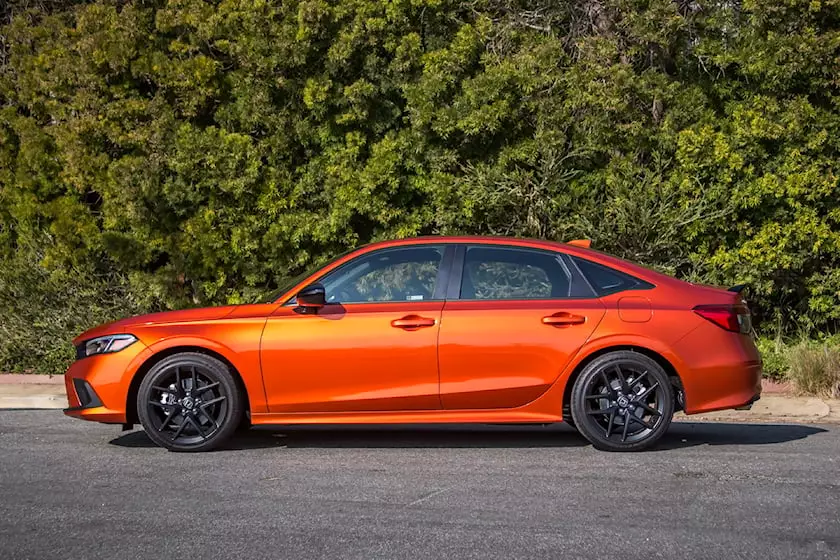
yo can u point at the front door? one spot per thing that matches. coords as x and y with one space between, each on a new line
520 318
373 347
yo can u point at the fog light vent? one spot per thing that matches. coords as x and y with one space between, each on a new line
87 396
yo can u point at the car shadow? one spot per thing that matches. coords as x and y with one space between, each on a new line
690 434
680 435
387 436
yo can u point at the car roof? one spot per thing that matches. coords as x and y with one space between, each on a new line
484 239
497 240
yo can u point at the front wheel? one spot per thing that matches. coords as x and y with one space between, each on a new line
189 402
622 401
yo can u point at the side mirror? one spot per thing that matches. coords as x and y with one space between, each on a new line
312 297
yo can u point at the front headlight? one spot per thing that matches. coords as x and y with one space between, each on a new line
105 344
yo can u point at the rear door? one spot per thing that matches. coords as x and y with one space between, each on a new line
513 319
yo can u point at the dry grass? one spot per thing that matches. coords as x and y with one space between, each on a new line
815 369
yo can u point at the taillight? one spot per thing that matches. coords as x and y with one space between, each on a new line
735 318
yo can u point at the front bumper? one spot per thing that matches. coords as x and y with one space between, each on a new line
97 386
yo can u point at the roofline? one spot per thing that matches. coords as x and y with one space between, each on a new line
450 239
575 250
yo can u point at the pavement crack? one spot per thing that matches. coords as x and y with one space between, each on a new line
428 496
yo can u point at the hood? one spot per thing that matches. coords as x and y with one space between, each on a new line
162 318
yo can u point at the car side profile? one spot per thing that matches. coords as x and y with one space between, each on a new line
431 330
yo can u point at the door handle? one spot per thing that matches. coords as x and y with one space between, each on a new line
563 319
413 322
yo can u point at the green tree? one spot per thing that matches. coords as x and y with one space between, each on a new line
158 154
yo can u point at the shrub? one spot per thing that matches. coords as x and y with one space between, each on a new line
815 369
42 311
196 152
775 357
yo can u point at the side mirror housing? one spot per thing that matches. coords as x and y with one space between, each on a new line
312 297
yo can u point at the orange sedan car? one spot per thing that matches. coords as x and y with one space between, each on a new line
431 330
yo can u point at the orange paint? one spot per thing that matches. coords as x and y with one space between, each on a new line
435 360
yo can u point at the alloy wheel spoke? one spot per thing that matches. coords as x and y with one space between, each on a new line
180 429
194 380
201 390
166 420
213 401
606 380
610 423
208 416
635 418
638 380
163 389
164 406
627 416
647 391
600 411
621 379
649 408
597 396
198 429
178 381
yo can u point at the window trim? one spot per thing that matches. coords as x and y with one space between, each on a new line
441 281
453 291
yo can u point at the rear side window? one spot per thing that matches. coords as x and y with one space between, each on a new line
606 280
507 273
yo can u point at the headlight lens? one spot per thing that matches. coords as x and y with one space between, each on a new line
108 344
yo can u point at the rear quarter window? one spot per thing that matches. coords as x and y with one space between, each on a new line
605 280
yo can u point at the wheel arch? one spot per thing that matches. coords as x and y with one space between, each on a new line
666 364
131 414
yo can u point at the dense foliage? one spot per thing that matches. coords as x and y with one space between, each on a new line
158 154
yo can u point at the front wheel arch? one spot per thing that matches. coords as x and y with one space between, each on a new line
131 414
669 368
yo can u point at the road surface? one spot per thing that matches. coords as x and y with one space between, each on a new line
74 489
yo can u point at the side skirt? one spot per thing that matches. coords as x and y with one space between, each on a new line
408 417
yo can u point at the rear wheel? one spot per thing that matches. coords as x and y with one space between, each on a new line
189 402
622 401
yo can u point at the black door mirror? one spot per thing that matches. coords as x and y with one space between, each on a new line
312 296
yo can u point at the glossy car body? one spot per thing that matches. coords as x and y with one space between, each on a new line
442 357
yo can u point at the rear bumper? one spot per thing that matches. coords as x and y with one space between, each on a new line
723 370
748 405
725 388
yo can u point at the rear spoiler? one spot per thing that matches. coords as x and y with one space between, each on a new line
738 288
585 243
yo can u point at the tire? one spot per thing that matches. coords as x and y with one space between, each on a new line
180 417
622 401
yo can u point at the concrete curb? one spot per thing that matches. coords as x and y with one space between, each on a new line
24 391
776 408
32 396
30 379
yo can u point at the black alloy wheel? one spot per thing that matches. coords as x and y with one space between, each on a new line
623 401
189 402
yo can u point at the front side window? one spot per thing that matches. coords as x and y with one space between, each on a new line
507 273
388 275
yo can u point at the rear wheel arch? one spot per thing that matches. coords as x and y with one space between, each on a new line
669 368
131 413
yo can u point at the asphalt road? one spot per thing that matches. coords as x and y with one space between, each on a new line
73 489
